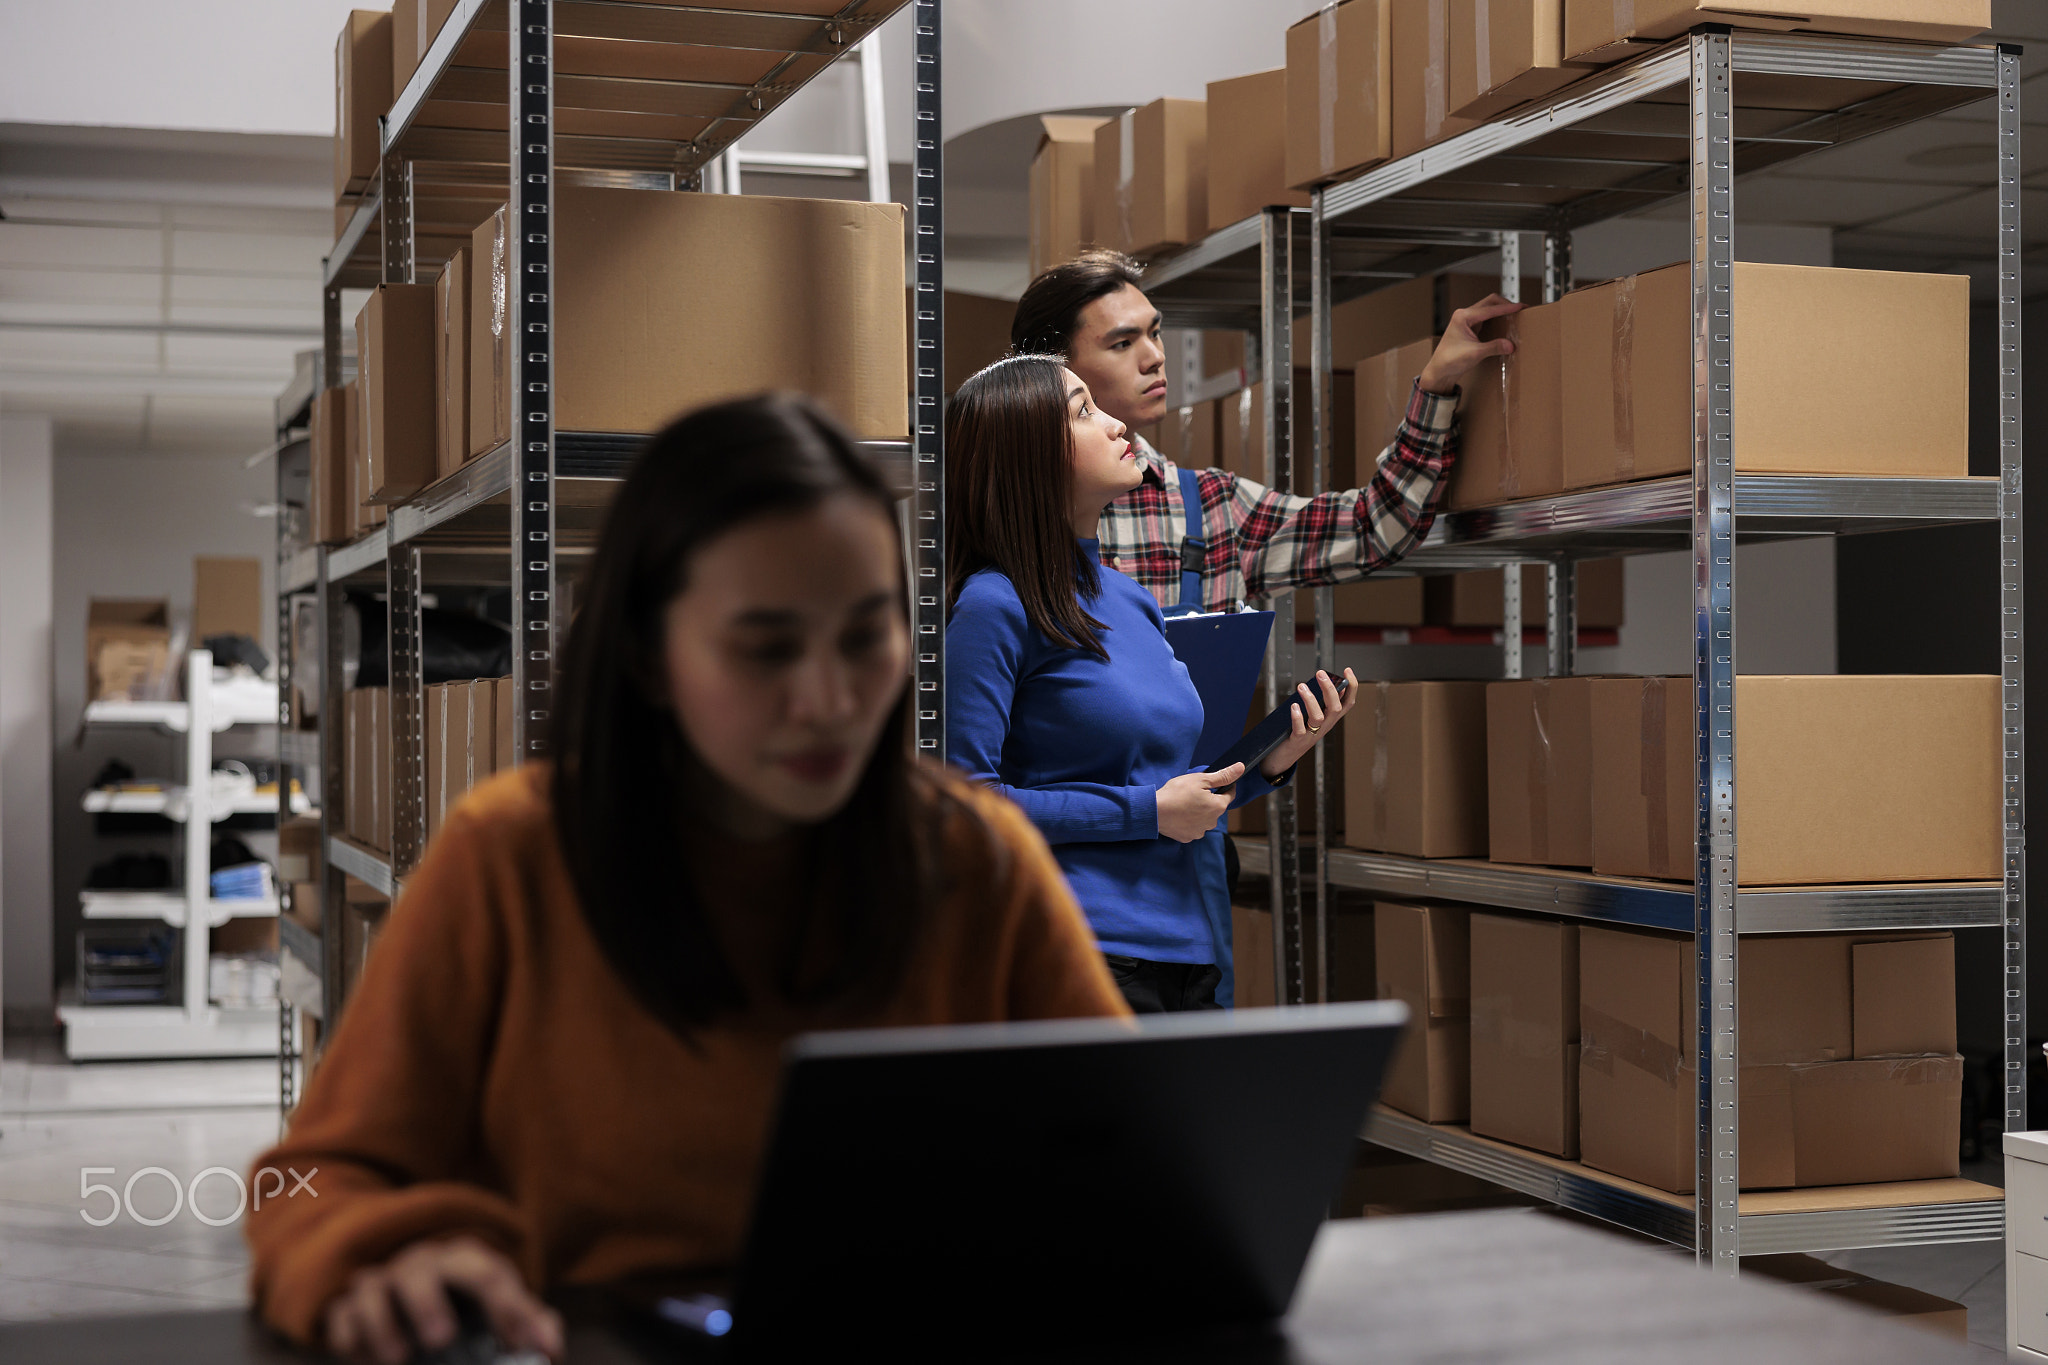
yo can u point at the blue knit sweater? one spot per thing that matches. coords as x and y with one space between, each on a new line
1083 745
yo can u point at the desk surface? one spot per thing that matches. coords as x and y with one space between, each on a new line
1521 1285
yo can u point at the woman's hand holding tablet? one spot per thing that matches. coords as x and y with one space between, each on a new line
1191 804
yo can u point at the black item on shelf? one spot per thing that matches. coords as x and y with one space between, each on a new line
247 821
228 650
119 824
122 964
130 872
455 646
113 773
228 851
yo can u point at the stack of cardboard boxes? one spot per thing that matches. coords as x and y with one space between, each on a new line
468 737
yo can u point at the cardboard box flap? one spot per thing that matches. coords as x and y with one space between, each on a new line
1075 128
114 612
1905 997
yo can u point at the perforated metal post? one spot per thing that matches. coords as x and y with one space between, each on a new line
1561 579
928 386
1717 1176
2012 595
331 604
1317 946
395 219
402 578
536 618
287 1045
1276 363
1511 574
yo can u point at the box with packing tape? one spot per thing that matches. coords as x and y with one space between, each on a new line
1062 189
1525 1031
1151 177
1339 91
1539 772
1246 167
1609 30
1415 769
1423 957
1504 55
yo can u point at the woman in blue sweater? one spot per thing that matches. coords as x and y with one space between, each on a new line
1063 693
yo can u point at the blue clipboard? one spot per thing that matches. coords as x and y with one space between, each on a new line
1222 652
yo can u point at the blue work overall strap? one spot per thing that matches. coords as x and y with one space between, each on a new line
1194 547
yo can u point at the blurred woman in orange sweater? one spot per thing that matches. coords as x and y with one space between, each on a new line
561 1060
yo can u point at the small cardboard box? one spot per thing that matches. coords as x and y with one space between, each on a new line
1422 955
490 357
1600 30
1415 769
1505 54
1151 177
1835 372
127 647
1539 772
395 344
451 365
1512 422
1062 190
227 597
1525 1032
362 95
1247 147
1421 115
1904 997
1865 778
329 518
1339 91
1474 599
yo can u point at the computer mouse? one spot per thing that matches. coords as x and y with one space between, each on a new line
475 1343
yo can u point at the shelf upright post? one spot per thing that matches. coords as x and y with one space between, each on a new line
1276 363
331 608
287 1035
406 655
1716 1173
535 616
1561 578
928 383
2012 580
1511 574
1317 939
395 220
198 828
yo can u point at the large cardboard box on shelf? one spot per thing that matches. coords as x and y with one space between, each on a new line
227 597
414 26
1062 189
1512 442
1525 1032
1385 602
666 302
329 519
451 365
1601 31
1399 314
1852 778
1382 385
490 355
1421 115
395 344
1422 954
1415 769
1187 436
127 647
1474 599
362 95
1504 55
434 704
1151 177
1539 772
1339 91
1811 1113
1835 372
1247 142
1913 1307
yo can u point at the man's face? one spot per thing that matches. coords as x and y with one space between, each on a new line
1116 352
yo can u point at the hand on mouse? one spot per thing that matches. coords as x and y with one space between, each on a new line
1313 717
368 1322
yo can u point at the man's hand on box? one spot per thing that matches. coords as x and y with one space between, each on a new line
1461 349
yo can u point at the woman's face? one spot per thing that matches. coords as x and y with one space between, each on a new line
785 654
1105 464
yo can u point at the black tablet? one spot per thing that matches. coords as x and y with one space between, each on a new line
1269 733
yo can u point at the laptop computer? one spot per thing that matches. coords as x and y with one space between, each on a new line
1044 1182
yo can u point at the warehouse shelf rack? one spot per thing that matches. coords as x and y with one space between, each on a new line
1684 119
516 513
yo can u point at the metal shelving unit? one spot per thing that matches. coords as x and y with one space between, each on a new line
517 514
1685 119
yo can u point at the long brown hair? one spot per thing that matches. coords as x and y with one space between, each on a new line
624 770
1009 488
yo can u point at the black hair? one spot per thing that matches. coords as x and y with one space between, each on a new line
1050 311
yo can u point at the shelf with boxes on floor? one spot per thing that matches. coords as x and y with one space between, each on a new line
514 180
1661 411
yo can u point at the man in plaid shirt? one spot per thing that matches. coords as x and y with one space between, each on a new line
1258 541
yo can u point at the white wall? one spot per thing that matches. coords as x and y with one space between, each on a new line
26 731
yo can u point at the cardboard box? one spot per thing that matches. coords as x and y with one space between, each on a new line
1383 385
504 753
1835 372
414 26
1539 772
451 365
483 730
490 357
1504 53
356 768
1420 35
434 701
667 302
299 856
1062 190
1383 602
363 514
1423 958
1525 1032
1241 431
1151 177
1187 436
1904 1000
227 597
127 647
1599 30
1339 91
1251 819
1415 769
1474 599
329 520
1251 952
362 95
1810 1115
1912 1307
977 333
395 345
1867 778
1398 314
383 784
1247 147
1512 424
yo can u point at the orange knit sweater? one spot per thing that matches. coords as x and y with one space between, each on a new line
493 1075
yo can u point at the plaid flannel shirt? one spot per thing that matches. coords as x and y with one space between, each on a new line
1263 542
